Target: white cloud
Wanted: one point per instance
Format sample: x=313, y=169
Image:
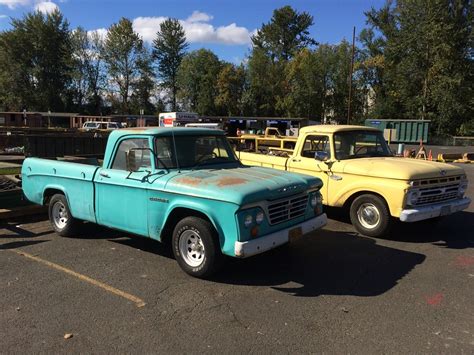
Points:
x=197, y=29
x=46, y=7
x=11, y=4
x=198, y=16
x=3, y=16
x=147, y=26
x=102, y=32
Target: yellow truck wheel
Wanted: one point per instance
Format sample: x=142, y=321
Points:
x=370, y=215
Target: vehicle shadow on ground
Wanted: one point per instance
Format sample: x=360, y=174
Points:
x=328, y=263
x=20, y=243
x=16, y=231
x=454, y=231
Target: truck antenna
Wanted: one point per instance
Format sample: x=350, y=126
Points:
x=174, y=146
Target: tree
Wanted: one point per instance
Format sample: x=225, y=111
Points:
x=197, y=79
x=36, y=62
x=426, y=50
x=266, y=83
x=230, y=88
x=88, y=77
x=286, y=33
x=123, y=53
x=169, y=49
x=143, y=87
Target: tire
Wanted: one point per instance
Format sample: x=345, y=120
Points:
x=370, y=215
x=60, y=217
x=197, y=233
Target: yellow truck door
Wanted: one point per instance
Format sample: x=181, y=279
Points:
x=303, y=160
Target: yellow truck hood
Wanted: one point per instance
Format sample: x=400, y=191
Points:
x=399, y=168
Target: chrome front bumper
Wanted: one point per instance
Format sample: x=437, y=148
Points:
x=270, y=241
x=436, y=210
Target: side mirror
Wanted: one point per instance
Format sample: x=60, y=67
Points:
x=321, y=155
x=131, y=159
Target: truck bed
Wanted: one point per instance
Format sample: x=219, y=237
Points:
x=73, y=179
x=264, y=160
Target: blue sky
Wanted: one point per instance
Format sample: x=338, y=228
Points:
x=223, y=26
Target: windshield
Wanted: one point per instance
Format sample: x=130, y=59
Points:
x=193, y=151
x=360, y=144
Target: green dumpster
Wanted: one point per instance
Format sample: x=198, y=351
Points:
x=407, y=131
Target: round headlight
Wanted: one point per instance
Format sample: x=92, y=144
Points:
x=413, y=197
x=314, y=200
x=259, y=217
x=462, y=189
x=248, y=220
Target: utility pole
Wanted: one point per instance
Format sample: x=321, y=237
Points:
x=350, y=77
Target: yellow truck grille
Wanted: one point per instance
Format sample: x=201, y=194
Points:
x=285, y=210
x=437, y=194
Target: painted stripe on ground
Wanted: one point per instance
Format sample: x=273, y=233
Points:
x=138, y=302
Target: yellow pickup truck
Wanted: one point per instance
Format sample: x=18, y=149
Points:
x=361, y=174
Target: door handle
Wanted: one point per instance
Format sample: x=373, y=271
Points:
x=296, y=160
x=104, y=174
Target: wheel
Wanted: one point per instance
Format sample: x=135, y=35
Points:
x=370, y=215
x=195, y=247
x=60, y=216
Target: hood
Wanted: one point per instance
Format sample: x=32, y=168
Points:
x=241, y=185
x=399, y=168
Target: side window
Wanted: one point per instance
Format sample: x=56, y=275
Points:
x=314, y=144
x=142, y=157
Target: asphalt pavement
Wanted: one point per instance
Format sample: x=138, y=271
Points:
x=333, y=291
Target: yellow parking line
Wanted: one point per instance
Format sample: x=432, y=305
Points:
x=138, y=302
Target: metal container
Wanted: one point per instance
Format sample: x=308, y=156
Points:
x=407, y=131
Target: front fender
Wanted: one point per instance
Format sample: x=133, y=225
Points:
x=393, y=192
x=220, y=214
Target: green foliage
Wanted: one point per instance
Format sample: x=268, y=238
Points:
x=88, y=77
x=124, y=55
x=285, y=34
x=36, y=62
x=230, y=88
x=428, y=64
x=169, y=48
x=197, y=80
x=266, y=84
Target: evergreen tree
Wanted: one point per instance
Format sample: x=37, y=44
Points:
x=123, y=54
x=285, y=34
x=36, y=62
x=169, y=48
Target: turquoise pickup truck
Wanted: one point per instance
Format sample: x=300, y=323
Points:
x=183, y=185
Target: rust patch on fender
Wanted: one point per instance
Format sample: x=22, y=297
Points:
x=230, y=181
x=189, y=181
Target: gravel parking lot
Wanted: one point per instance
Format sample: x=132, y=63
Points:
x=334, y=291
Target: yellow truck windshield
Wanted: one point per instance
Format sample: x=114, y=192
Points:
x=360, y=144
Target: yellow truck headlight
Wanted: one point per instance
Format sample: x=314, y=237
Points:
x=462, y=188
x=412, y=197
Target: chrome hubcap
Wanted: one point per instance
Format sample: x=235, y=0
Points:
x=368, y=215
x=191, y=248
x=60, y=216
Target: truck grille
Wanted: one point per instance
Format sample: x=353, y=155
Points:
x=285, y=210
x=442, y=180
x=437, y=194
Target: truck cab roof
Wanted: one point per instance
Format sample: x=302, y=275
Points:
x=164, y=131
